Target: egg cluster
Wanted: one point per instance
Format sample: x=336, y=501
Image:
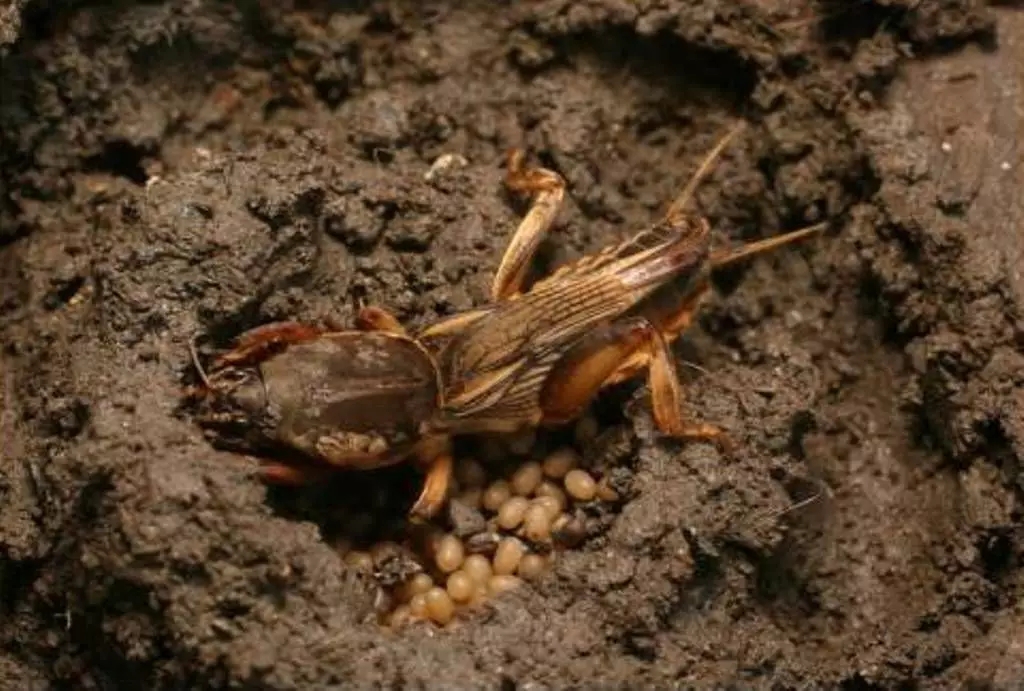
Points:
x=520, y=517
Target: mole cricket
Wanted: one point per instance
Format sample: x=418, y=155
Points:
x=378, y=395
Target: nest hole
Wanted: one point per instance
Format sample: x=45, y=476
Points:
x=515, y=503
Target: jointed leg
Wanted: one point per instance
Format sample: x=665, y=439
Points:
x=436, y=459
x=549, y=190
x=430, y=501
x=585, y=370
x=436, y=456
x=293, y=474
x=670, y=321
x=255, y=344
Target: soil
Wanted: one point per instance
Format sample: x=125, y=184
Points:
x=178, y=168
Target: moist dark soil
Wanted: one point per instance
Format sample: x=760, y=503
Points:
x=180, y=168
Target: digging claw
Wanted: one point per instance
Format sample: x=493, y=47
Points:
x=435, y=489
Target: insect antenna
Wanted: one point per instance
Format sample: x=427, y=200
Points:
x=695, y=366
x=824, y=491
x=194, y=352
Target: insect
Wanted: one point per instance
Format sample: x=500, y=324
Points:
x=528, y=358
x=539, y=357
x=355, y=399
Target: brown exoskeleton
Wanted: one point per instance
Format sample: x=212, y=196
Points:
x=355, y=399
x=526, y=359
x=539, y=357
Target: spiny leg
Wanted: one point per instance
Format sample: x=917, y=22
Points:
x=255, y=344
x=670, y=321
x=435, y=455
x=585, y=369
x=372, y=318
x=549, y=190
